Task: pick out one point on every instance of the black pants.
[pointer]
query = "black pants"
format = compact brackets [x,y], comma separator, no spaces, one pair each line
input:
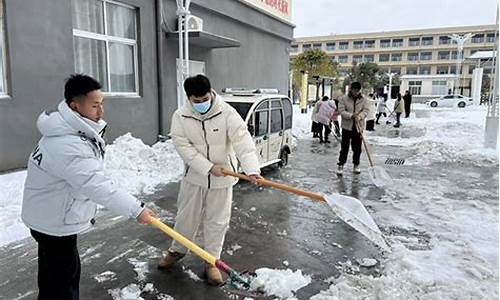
[379,115]
[58,267]
[350,137]
[407,109]
[398,119]
[370,125]
[324,132]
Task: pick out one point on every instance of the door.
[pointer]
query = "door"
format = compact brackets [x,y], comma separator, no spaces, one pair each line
[276,130]
[261,125]
[448,101]
[195,68]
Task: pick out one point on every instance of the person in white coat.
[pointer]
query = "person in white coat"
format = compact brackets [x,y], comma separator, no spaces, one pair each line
[370,117]
[326,107]
[210,136]
[65,182]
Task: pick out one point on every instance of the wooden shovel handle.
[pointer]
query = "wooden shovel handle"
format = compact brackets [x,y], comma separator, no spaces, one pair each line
[280,186]
[368,155]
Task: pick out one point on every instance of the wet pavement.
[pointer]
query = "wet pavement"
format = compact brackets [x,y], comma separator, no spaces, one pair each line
[270,226]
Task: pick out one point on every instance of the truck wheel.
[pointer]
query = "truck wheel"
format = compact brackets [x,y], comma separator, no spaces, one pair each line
[283,158]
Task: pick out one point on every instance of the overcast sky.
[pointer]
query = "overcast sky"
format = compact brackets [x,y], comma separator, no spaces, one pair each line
[324,17]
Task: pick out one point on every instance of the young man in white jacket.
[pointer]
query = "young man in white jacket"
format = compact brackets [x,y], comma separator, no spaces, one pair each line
[65,180]
[210,136]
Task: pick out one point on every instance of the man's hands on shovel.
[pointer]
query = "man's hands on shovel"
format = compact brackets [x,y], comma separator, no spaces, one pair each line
[219,171]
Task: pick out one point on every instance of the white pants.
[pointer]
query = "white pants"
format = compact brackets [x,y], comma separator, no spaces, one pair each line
[211,207]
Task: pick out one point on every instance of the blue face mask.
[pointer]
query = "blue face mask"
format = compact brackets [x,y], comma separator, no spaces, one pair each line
[202,107]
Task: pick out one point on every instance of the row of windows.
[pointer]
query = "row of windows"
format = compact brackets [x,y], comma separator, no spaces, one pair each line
[394,43]
[411,56]
[424,70]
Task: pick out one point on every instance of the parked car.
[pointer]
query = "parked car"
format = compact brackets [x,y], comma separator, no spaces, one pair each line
[269,118]
[450,101]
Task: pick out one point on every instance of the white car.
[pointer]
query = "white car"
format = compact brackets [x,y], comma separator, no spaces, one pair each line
[269,119]
[450,101]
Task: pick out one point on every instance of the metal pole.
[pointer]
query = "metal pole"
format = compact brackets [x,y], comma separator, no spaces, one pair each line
[491,126]
[180,9]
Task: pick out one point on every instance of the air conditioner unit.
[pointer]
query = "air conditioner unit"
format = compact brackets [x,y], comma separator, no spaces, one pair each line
[194,23]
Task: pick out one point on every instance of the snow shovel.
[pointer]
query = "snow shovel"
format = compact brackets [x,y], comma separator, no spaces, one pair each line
[377,174]
[349,209]
[236,279]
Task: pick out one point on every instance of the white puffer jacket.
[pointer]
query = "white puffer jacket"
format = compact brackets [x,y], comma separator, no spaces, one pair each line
[66,177]
[325,111]
[219,137]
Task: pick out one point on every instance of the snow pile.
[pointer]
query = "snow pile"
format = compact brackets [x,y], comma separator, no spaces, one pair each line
[105,276]
[11,196]
[133,166]
[443,135]
[139,168]
[301,128]
[443,248]
[134,291]
[280,283]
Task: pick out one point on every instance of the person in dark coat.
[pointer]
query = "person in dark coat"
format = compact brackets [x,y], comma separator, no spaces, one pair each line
[407,100]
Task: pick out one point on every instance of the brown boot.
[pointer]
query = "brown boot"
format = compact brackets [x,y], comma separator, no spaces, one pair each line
[214,277]
[168,260]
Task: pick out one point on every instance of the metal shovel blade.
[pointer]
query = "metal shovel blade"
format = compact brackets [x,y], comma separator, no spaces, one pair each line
[354,213]
[379,176]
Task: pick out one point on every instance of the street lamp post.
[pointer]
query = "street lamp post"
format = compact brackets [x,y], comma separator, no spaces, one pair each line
[389,89]
[460,40]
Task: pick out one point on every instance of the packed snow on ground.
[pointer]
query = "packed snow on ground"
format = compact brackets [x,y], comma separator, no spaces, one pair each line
[446,135]
[134,292]
[450,250]
[134,166]
[279,283]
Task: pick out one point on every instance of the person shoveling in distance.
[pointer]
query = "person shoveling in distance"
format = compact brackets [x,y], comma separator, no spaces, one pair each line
[209,135]
[353,108]
[349,209]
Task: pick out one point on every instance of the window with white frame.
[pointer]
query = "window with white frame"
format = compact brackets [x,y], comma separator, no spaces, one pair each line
[3,74]
[383,57]
[357,44]
[412,56]
[385,43]
[414,41]
[342,59]
[442,70]
[397,43]
[427,41]
[396,56]
[478,38]
[330,46]
[105,44]
[368,58]
[415,87]
[317,46]
[425,55]
[370,44]
[424,70]
[439,87]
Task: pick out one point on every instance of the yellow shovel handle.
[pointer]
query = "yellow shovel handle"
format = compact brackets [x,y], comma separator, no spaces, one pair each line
[184,241]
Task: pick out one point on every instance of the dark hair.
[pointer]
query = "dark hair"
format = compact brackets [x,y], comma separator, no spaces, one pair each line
[356,85]
[325,98]
[399,96]
[78,85]
[197,86]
